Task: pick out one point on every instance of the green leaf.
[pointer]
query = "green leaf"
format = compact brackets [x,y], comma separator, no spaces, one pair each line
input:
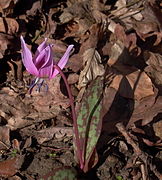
[65,173]
[119,178]
[89,122]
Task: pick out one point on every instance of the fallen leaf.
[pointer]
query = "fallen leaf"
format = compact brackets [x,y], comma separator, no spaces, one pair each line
[154,68]
[48,133]
[92,67]
[4,137]
[6,43]
[6,3]
[129,40]
[8,26]
[137,89]
[157,126]
[9,167]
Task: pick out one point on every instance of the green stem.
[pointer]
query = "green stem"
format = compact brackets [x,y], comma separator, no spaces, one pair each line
[76,131]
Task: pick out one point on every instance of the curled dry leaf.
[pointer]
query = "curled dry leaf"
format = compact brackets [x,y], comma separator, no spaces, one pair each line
[92,67]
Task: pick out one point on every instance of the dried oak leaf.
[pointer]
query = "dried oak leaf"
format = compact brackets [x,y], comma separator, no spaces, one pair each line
[34,9]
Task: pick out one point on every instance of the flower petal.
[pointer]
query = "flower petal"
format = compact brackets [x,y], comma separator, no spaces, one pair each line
[63,60]
[40,48]
[27,58]
[45,62]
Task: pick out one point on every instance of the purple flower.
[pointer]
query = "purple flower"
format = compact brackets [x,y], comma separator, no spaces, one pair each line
[42,64]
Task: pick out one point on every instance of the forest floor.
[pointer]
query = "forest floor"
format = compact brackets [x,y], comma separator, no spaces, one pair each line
[117,44]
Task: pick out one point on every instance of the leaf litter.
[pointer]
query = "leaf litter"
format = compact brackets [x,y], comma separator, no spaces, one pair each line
[117,55]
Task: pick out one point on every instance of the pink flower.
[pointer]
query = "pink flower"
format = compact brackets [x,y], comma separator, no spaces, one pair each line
[42,64]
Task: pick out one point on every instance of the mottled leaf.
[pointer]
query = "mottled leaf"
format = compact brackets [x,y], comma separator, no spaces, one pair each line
[89,123]
[64,173]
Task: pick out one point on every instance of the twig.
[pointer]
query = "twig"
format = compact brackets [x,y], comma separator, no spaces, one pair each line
[129,140]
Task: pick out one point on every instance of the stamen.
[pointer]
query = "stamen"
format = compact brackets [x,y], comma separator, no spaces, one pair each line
[39,82]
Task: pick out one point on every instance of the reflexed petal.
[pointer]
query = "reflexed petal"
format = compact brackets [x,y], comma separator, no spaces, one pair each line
[63,60]
[27,58]
[46,62]
[40,48]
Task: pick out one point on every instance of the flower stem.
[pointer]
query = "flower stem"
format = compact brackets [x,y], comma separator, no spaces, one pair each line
[76,131]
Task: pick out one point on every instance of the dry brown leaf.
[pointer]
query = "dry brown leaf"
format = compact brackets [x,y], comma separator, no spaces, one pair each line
[6,41]
[87,42]
[48,133]
[117,108]
[126,11]
[136,85]
[129,40]
[7,7]
[146,110]
[14,178]
[10,167]
[157,126]
[92,67]
[154,68]
[6,3]
[73,78]
[4,137]
[8,26]
[33,10]
[22,112]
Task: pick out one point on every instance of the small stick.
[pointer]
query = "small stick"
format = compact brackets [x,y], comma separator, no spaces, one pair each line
[130,141]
